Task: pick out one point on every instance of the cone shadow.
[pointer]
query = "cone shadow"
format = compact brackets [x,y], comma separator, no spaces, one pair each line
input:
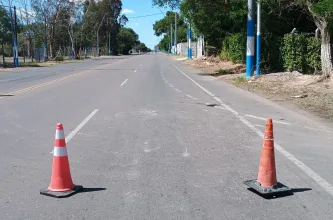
[280,195]
[85,190]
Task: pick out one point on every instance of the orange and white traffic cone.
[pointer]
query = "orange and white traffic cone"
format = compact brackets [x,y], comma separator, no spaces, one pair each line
[61,181]
[267,184]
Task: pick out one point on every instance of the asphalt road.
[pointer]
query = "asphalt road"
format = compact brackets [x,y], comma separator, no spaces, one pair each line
[145,145]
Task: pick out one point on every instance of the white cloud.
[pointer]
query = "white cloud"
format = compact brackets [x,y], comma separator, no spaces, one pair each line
[127,11]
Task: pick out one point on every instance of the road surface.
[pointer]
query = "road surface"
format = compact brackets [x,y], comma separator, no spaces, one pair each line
[145,145]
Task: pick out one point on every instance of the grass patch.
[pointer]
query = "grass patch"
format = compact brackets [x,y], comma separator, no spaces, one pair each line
[30,64]
[240,79]
[223,72]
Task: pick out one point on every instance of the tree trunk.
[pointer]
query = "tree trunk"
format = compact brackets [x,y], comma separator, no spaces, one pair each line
[51,49]
[3,56]
[326,54]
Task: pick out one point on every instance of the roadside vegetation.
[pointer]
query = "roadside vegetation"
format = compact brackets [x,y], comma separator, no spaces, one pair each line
[65,30]
[296,54]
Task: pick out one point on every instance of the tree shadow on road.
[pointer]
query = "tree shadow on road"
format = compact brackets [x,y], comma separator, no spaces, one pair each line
[281,195]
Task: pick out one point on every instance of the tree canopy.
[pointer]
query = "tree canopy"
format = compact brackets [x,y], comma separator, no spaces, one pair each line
[163,26]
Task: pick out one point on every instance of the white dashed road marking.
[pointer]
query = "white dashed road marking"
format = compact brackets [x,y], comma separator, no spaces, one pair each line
[264,119]
[124,82]
[79,127]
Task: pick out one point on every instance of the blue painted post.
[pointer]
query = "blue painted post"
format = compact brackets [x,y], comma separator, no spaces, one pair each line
[171,38]
[189,50]
[175,33]
[250,41]
[15,43]
[45,50]
[258,40]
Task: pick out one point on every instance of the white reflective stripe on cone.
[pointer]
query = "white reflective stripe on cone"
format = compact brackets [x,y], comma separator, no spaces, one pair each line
[59,135]
[60,151]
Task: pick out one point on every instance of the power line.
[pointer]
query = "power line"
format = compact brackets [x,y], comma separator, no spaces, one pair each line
[143,16]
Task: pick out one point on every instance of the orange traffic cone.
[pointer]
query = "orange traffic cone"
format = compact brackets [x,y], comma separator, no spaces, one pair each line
[267,170]
[267,184]
[61,181]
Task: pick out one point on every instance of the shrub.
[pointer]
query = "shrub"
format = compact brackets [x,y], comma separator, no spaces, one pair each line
[313,54]
[233,48]
[293,52]
[301,53]
[211,51]
[59,59]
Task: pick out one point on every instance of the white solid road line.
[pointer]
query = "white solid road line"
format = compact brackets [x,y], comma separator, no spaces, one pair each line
[307,170]
[79,127]
[264,119]
[135,71]
[124,82]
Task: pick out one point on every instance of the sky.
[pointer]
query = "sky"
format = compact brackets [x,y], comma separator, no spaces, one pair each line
[143,26]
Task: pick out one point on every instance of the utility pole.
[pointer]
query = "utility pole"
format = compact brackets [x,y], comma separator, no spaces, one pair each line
[45,40]
[189,51]
[175,33]
[171,38]
[97,46]
[258,39]
[250,40]
[16,63]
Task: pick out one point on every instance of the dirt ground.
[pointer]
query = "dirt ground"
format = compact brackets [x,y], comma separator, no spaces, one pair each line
[308,92]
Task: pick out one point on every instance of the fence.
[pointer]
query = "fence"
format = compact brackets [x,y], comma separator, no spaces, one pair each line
[197,48]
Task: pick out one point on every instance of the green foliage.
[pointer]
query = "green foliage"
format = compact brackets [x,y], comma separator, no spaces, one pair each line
[211,50]
[293,52]
[164,3]
[164,44]
[59,59]
[127,39]
[301,53]
[222,72]
[142,47]
[162,27]
[5,26]
[233,48]
[239,79]
[313,54]
[323,8]
[271,58]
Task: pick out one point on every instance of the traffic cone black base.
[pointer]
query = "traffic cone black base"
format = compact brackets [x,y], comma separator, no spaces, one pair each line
[275,190]
[65,194]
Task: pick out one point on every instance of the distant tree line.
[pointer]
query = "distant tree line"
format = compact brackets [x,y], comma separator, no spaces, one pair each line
[67,23]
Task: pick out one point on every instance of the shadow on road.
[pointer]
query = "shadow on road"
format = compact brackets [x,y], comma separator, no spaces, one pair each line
[85,190]
[281,195]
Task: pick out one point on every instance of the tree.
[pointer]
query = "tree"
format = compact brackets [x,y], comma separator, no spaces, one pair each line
[162,28]
[164,44]
[322,13]
[48,13]
[164,3]
[5,27]
[127,39]
[142,47]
